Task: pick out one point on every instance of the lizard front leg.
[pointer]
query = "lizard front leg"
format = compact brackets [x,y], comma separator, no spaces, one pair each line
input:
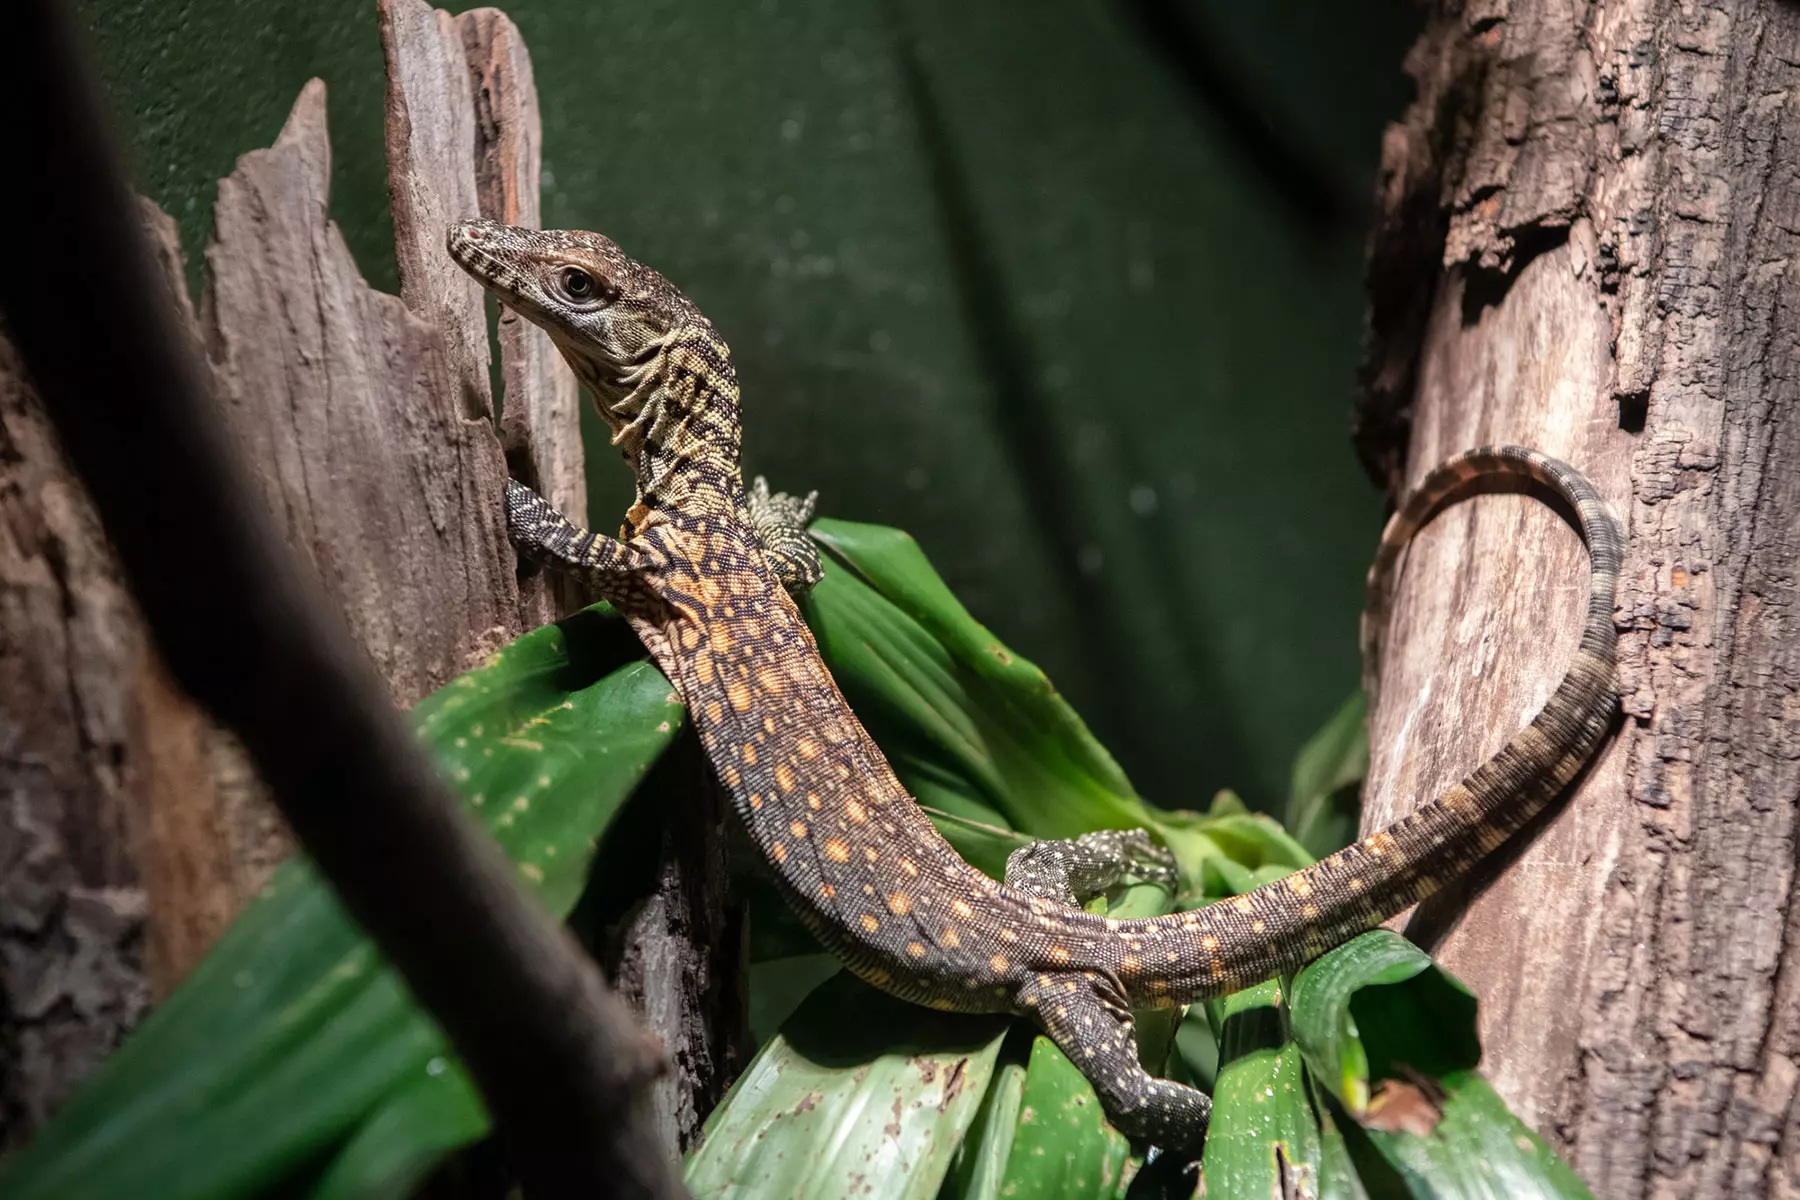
[780,521]
[543,534]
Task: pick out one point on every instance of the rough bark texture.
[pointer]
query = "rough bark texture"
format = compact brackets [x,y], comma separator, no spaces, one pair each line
[1587,245]
[349,410]
[369,424]
[108,797]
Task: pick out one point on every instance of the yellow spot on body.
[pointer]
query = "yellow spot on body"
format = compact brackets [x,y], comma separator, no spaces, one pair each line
[1243,905]
[798,829]
[870,853]
[1059,954]
[998,962]
[755,800]
[836,851]
[856,811]
[750,754]
[916,949]
[807,748]
[949,940]
[1378,844]
[1210,942]
[714,712]
[1130,962]
[827,891]
[1299,884]
[899,903]
[1008,936]
[909,868]
[784,776]
[813,802]
[1355,883]
[778,852]
[1309,911]
[731,775]
[771,682]
[703,666]
[690,637]
[1258,926]
[769,725]
[738,694]
[870,924]
[961,908]
[1172,956]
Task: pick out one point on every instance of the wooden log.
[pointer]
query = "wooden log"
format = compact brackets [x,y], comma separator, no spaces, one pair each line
[1586,241]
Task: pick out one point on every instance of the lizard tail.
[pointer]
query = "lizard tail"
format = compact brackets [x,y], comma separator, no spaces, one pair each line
[1277,927]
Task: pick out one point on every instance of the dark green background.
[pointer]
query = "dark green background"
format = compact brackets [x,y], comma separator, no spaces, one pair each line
[991,271]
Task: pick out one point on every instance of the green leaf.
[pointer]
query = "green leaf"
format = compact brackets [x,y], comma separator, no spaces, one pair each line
[1378,1008]
[1264,1139]
[978,1170]
[860,1094]
[1323,805]
[947,701]
[1476,1150]
[292,1030]
[433,1112]
[1063,1148]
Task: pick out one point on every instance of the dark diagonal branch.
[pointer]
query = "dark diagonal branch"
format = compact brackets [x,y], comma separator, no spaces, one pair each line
[556,1055]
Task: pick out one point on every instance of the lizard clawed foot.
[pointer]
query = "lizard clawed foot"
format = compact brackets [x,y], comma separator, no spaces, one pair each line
[1075,871]
[781,521]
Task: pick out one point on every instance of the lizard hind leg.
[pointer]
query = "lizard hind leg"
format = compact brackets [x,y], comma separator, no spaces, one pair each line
[1074,871]
[1090,1023]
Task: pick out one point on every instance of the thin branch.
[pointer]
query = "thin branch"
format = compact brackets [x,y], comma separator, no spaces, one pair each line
[556,1055]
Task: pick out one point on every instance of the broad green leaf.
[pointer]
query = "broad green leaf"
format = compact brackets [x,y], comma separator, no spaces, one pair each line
[433,1112]
[1063,1148]
[292,1030]
[945,698]
[1264,1139]
[1476,1148]
[978,1169]
[1323,805]
[1377,1008]
[859,1095]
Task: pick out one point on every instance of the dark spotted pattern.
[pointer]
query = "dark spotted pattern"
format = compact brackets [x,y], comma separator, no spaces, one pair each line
[854,855]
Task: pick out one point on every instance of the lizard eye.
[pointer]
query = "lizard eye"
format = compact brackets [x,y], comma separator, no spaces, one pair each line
[579,286]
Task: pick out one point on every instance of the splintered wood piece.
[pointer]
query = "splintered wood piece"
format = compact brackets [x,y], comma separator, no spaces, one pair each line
[431,183]
[540,425]
[345,402]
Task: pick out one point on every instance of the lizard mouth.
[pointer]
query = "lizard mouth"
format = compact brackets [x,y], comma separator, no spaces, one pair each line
[468,246]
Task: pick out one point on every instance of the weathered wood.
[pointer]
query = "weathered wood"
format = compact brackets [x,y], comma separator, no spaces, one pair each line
[71,910]
[107,797]
[348,407]
[431,183]
[540,425]
[1599,203]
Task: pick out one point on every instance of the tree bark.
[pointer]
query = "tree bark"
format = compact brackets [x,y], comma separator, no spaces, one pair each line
[132,829]
[1588,226]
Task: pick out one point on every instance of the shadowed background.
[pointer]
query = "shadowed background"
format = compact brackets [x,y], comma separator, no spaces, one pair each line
[1071,290]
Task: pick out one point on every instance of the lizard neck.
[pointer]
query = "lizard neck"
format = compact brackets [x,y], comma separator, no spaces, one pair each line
[679,429]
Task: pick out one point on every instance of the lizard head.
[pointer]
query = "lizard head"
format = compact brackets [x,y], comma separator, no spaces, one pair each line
[613,319]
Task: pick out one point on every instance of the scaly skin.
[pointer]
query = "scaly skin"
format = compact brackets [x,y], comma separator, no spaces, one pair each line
[854,855]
